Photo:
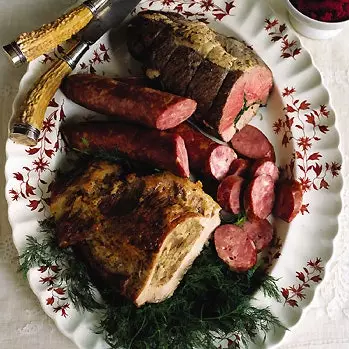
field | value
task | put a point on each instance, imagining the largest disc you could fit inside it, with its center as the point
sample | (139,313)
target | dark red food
(229,194)
(265,166)
(205,156)
(252,143)
(289,196)
(235,248)
(239,167)
(260,231)
(324,10)
(128,102)
(160,149)
(259,197)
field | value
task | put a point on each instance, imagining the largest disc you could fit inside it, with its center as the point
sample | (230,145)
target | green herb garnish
(242,111)
(211,303)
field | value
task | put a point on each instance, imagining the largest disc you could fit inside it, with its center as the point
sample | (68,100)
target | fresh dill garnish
(230,218)
(210,304)
(244,108)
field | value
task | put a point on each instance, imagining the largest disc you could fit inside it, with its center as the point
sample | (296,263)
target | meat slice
(252,143)
(239,167)
(265,166)
(205,156)
(259,197)
(229,193)
(132,103)
(145,232)
(235,248)
(159,149)
(260,231)
(289,197)
(230,83)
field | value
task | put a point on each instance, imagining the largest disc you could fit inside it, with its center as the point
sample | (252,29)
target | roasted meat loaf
(144,232)
(221,74)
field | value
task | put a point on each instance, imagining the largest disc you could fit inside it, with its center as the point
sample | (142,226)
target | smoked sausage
(128,102)
(160,149)
(239,167)
(265,166)
(229,194)
(260,231)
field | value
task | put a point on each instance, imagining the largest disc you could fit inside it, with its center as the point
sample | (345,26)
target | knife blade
(25,127)
(29,46)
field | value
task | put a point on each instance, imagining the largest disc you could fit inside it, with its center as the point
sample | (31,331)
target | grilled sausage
(235,248)
(160,149)
(259,197)
(265,166)
(260,231)
(239,167)
(205,156)
(289,196)
(229,194)
(141,105)
(252,143)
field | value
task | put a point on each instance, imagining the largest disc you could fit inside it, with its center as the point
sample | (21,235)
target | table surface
(23,323)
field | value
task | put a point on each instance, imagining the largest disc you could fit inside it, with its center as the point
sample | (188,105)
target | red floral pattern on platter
(231,343)
(33,182)
(58,296)
(193,9)
(100,56)
(310,274)
(300,115)
(289,49)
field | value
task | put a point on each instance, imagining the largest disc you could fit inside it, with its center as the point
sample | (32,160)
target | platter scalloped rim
(308,152)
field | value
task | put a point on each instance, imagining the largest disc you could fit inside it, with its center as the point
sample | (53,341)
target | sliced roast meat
(205,156)
(252,143)
(132,103)
(229,194)
(239,167)
(180,70)
(265,166)
(159,149)
(235,248)
(289,196)
(205,85)
(260,231)
(259,197)
(229,78)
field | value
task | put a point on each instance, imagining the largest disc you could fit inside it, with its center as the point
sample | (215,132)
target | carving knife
(25,126)
(29,46)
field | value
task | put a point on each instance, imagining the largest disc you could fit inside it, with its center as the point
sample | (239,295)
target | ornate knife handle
(25,126)
(29,46)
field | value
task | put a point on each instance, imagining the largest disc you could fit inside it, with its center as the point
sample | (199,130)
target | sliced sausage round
(252,143)
(239,167)
(259,197)
(229,193)
(289,196)
(265,166)
(235,248)
(260,231)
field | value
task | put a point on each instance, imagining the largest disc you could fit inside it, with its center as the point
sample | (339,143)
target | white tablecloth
(23,324)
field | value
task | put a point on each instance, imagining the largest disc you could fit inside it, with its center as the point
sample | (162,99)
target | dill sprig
(210,304)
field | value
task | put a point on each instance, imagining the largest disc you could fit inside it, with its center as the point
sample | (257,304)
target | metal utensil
(29,46)
(26,126)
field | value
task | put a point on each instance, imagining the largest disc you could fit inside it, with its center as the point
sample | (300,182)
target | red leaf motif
(106,57)
(285,140)
(335,168)
(219,16)
(316,278)
(32,151)
(33,204)
(60,291)
(229,5)
(304,209)
(289,122)
(304,105)
(42,269)
(324,184)
(276,38)
(285,55)
(310,119)
(300,276)
(317,169)
(288,92)
(55,268)
(18,176)
(285,292)
(53,103)
(61,115)
(282,28)
(296,52)
(299,155)
(49,152)
(29,190)
(50,301)
(315,156)
(292,302)
(102,47)
(323,129)
(290,109)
